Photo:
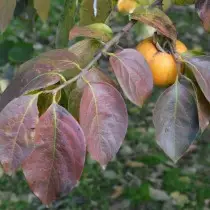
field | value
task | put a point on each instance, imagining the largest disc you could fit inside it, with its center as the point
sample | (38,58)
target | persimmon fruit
(162,64)
(126,6)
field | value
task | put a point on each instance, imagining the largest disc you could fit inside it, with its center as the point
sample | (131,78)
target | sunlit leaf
(176,120)
(17,129)
(54,168)
(203,9)
(7,8)
(104,120)
(157,19)
(87,15)
(39,72)
(42,7)
(200,66)
(98,31)
(68,19)
(133,75)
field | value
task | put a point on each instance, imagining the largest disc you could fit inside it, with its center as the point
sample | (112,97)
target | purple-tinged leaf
(104,120)
(38,73)
(54,168)
(203,9)
(157,19)
(133,75)
(98,31)
(75,93)
(17,129)
(42,8)
(94,75)
(176,120)
(7,8)
(200,66)
(203,105)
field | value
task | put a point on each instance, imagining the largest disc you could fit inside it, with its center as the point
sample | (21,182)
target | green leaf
(5,47)
(67,21)
(21,52)
(156,18)
(176,119)
(98,31)
(42,7)
(7,8)
(87,16)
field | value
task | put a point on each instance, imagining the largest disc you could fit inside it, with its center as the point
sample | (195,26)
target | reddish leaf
(203,110)
(104,119)
(7,8)
(176,120)
(133,75)
(200,66)
(203,8)
(17,125)
(203,105)
(157,19)
(54,168)
(97,31)
(37,73)
(75,94)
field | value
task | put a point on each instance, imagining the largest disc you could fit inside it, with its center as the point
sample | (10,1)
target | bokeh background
(141,177)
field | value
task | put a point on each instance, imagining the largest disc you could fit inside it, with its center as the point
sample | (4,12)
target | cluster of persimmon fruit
(162,63)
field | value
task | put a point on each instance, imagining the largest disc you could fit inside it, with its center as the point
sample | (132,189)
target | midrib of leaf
(95,102)
(54,147)
(21,122)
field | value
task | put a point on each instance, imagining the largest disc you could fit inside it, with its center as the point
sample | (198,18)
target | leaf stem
(106,47)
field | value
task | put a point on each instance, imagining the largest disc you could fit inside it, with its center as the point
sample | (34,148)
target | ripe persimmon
(127,6)
(162,64)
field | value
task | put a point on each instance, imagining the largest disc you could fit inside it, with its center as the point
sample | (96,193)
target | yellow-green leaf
(42,7)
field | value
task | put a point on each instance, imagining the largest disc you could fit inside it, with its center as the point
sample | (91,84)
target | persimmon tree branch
(106,47)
